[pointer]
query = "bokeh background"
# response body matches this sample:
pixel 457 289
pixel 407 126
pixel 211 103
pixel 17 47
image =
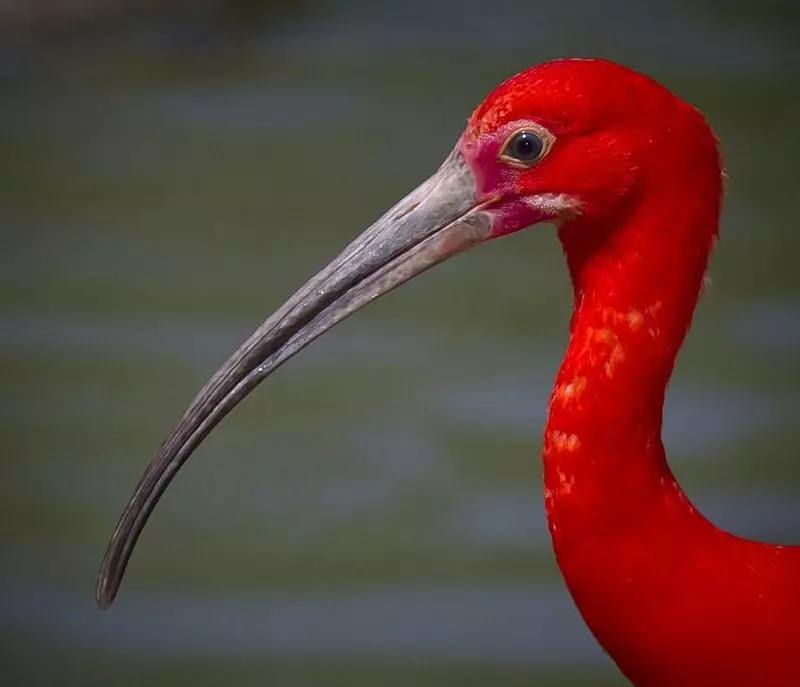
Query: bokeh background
pixel 373 515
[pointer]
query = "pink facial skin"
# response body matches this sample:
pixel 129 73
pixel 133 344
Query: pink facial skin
pixel 497 178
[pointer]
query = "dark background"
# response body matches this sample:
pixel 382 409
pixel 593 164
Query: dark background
pixel 171 171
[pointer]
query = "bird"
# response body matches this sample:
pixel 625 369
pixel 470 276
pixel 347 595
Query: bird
pixel 631 176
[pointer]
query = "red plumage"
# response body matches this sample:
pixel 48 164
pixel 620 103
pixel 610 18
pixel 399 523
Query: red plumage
pixel 671 598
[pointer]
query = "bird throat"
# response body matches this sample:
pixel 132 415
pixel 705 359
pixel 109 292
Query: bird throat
pixel 636 279
pixel 608 487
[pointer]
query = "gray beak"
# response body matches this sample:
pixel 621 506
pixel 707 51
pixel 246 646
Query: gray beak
pixel 440 218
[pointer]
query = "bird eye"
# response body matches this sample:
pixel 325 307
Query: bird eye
pixel 524 146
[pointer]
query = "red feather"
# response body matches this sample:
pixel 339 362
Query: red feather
pixel 674 600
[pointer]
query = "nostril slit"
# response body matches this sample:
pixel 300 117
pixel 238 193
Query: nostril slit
pixel 407 210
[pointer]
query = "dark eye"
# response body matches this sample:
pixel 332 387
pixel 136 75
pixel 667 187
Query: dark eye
pixel 524 146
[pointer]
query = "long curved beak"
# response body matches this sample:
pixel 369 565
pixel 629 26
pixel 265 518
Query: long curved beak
pixel 442 217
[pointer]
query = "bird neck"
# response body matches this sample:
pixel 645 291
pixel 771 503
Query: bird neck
pixel 670 597
pixel 636 280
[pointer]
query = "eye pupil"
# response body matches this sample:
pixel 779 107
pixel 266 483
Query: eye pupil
pixel 526 146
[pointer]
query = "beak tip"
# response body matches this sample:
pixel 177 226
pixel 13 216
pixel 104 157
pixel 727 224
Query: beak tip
pixel 106 589
pixel 102 603
pixel 102 596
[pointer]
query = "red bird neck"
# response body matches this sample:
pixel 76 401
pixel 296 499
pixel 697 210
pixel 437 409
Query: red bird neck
pixel 636 278
pixel 671 598
pixel 637 273
pixel 634 295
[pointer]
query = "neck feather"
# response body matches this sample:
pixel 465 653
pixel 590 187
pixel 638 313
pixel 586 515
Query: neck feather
pixel 636 282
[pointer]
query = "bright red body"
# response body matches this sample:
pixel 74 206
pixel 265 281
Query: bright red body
pixel 674 600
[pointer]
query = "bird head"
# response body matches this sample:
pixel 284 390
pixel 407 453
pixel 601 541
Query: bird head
pixel 575 138
pixel 563 142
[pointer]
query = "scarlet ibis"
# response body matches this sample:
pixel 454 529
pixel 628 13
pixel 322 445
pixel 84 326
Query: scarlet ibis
pixel 631 176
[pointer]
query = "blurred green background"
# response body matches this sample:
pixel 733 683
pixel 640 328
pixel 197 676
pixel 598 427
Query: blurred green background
pixel 373 514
